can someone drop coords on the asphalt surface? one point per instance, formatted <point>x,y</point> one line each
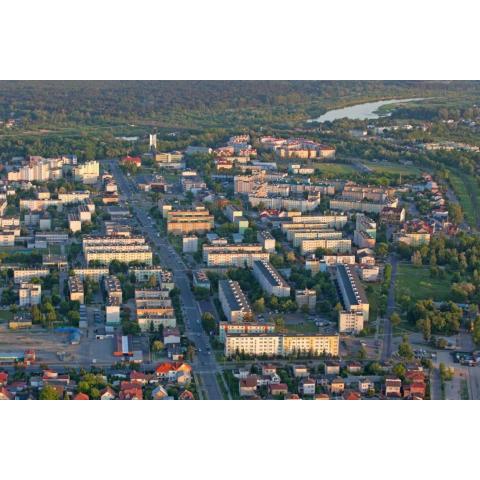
<point>387,325</point>
<point>205,365</point>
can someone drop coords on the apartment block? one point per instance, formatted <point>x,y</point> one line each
<point>29,294</point>
<point>270,280</point>
<point>26,274</point>
<point>351,290</point>
<point>266,240</point>
<point>226,328</point>
<point>297,236</point>
<point>365,233</point>
<point>95,273</point>
<point>347,205</point>
<point>87,172</point>
<point>234,303</point>
<point>113,287</point>
<point>350,322</point>
<point>124,249</point>
<point>306,298</point>
<point>272,344</point>
<point>154,308</point>
<point>336,245</point>
<point>189,244</point>
<point>234,258</point>
<point>181,222</point>
<point>75,287</point>
<point>74,223</point>
<point>112,311</point>
<point>164,277</point>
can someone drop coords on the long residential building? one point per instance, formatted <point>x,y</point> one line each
<point>270,280</point>
<point>154,308</point>
<point>163,277</point>
<point>351,290</point>
<point>181,222</point>
<point>26,274</point>
<point>333,221</point>
<point>39,169</point>
<point>124,249</point>
<point>234,302</point>
<point>326,234</point>
<point>226,328</point>
<point>87,172</point>
<point>94,273</point>
<point>346,205</point>
<point>296,202</point>
<point>341,245</point>
<point>274,344</point>
<point>236,258</point>
<point>244,247</point>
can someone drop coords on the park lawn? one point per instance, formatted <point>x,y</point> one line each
<point>467,191</point>
<point>392,168</point>
<point>334,168</point>
<point>417,283</point>
<point>305,327</point>
<point>373,292</point>
<point>5,315</point>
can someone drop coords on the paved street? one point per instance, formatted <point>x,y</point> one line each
<point>387,326</point>
<point>205,365</point>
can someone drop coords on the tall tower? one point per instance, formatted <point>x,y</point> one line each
<point>153,141</point>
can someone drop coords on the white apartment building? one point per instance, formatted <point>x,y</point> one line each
<point>350,322</point>
<point>271,344</point>
<point>87,172</point>
<point>337,245</point>
<point>270,280</point>
<point>29,294</point>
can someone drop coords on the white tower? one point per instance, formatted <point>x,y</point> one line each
<point>153,141</point>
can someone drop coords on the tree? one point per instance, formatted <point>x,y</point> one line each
<point>405,349</point>
<point>382,249</point>
<point>152,281</point>
<point>259,305</point>
<point>157,345</point>
<point>395,319</point>
<point>455,213</point>
<point>399,370</point>
<point>48,393</point>
<point>208,322</point>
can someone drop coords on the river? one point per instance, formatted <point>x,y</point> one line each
<point>363,111</point>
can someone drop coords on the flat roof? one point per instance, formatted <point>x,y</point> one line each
<point>234,295</point>
<point>351,285</point>
<point>270,273</point>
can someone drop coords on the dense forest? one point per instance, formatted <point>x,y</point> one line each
<point>201,103</point>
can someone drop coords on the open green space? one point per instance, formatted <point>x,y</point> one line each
<point>334,168</point>
<point>467,191</point>
<point>417,283</point>
<point>305,327</point>
<point>5,315</point>
<point>392,168</point>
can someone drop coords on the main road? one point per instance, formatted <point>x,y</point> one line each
<point>205,365</point>
<point>387,324</point>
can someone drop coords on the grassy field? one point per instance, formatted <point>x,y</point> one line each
<point>306,327</point>
<point>392,168</point>
<point>467,191</point>
<point>5,315</point>
<point>417,283</point>
<point>334,168</point>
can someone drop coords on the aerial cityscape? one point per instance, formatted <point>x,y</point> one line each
<point>235,240</point>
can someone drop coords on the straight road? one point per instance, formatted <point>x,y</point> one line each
<point>205,366</point>
<point>387,325</point>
